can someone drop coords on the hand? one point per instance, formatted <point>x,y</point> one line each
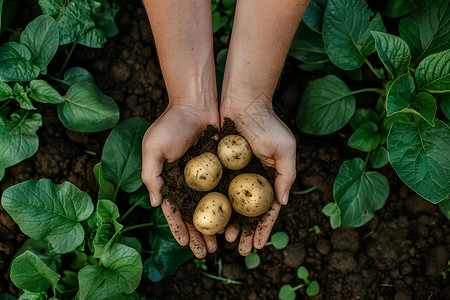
<point>167,140</point>
<point>274,144</point>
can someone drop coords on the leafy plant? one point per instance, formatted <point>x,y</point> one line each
<point>219,277</point>
<point>401,127</point>
<point>287,291</point>
<point>316,229</point>
<point>80,251</point>
<point>278,240</point>
<point>24,76</point>
<point>223,17</point>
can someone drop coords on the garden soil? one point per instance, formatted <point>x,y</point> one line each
<point>399,254</point>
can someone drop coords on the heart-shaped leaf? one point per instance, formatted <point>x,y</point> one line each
<point>433,73</point>
<point>286,292</point>
<point>107,210</point>
<point>43,92</point>
<point>365,138</point>
<point>15,63</point>
<point>379,157</point>
<point>5,92</point>
<point>105,236</point>
<point>77,74</point>
<point>313,16</point>
<point>307,46</point>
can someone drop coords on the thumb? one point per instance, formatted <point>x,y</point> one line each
<point>286,170</point>
<point>152,167</point>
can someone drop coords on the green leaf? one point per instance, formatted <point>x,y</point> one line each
<point>279,240</point>
<point>167,254</point>
<point>365,138</point>
<point>426,29</point>
<point>77,74</point>
<point>106,17</point>
<point>312,289</point>
<point>379,157</point>
<point>347,44</point>
<point>122,154</point>
<point>218,21</point>
<point>70,278</point>
<point>332,210</point>
<point>27,295</point>
<point>43,92</point>
<point>142,197</point>
<point>130,242</point>
<point>50,7</point>
<point>252,260</point>
<point>18,138</point>
<point>41,36</point>
<point>445,207</point>
<point>5,92</point>
<point>445,105</point>
<point>398,8</point>
<point>361,115</point>
<point>106,189</point>
<point>393,52</point>
<point>5,296</point>
<point>106,234</point>
<point>21,96</point>
<point>107,210</point>
<point>401,98</point>
<point>433,73</point>
<point>286,292</point>
<point>42,250</point>
<point>307,46</point>
<point>358,193</point>
<point>303,273</point>
<point>87,109</point>
<point>28,272</point>
<point>327,105</point>
<point>2,174</point>
<point>48,211</point>
<point>120,274</point>
<point>15,63</point>
<point>94,38</point>
<point>313,16</point>
<point>387,122</point>
<point>420,156</point>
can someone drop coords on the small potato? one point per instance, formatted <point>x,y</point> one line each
<point>234,152</point>
<point>203,173</point>
<point>212,214</point>
<point>250,194</point>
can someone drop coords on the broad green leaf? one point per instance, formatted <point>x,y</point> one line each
<point>286,292</point>
<point>120,273</point>
<point>346,32</point>
<point>252,260</point>
<point>21,96</point>
<point>393,52</point>
<point>401,98</point>
<point>303,273</point>
<point>15,63</point>
<point>77,74</point>
<point>398,8</point>
<point>48,211</point>
<point>365,138</point>
<point>130,242</point>
<point>361,115</point>
<point>106,234</point>
<point>43,92</point>
<point>41,36</point>
<point>106,189</point>
<point>5,296</point>
<point>433,73</point>
<point>327,105</point>
<point>122,154</point>
<point>27,295</point>
<point>70,278</point>
<point>5,92</point>
<point>279,240</point>
<point>444,206</point>
<point>421,157</point>
<point>167,254</point>
<point>94,38</point>
<point>140,197</point>
<point>106,17</point>
<point>107,210</point>
<point>379,157</point>
<point>307,46</point>
<point>18,138</point>
<point>445,105</point>
<point>312,289</point>
<point>87,109</point>
<point>218,21</point>
<point>359,193</point>
<point>426,29</point>
<point>313,16</point>
<point>49,7</point>
<point>28,272</point>
<point>387,122</point>
<point>43,251</point>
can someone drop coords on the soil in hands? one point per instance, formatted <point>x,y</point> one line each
<point>177,191</point>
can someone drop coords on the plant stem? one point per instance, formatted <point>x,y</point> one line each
<point>9,29</point>
<point>137,226</point>
<point>6,103</point>
<point>55,79</point>
<point>130,210</point>
<point>373,69</point>
<point>374,90</point>
<point>67,59</point>
<point>366,160</point>
<point>298,287</point>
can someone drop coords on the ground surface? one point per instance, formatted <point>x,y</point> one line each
<point>397,255</point>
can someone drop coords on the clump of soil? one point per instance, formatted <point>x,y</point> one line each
<point>177,191</point>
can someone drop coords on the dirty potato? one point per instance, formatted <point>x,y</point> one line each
<point>212,214</point>
<point>203,173</point>
<point>234,152</point>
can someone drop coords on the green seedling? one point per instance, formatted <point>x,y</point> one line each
<point>200,264</point>
<point>307,191</point>
<point>219,277</point>
<point>287,292</point>
<point>316,229</point>
<point>446,270</point>
<point>278,240</point>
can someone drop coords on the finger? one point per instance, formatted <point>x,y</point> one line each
<point>211,242</point>
<point>222,231</point>
<point>196,243</point>
<point>175,221</point>
<point>265,226</point>
<point>246,243</point>
<point>152,167</point>
<point>285,166</point>
<point>231,233</point>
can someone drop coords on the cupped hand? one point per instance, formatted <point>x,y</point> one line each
<point>167,140</point>
<point>275,145</point>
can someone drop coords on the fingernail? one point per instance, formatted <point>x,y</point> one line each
<point>152,199</point>
<point>285,198</point>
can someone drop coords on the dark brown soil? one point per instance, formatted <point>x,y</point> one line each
<point>397,255</point>
<point>178,192</point>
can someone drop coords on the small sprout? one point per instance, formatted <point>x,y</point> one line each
<point>279,240</point>
<point>307,191</point>
<point>332,210</point>
<point>446,270</point>
<point>219,277</point>
<point>303,273</point>
<point>252,260</point>
<point>316,229</point>
<point>287,292</point>
<point>201,264</point>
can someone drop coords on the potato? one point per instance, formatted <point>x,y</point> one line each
<point>250,194</point>
<point>203,173</point>
<point>212,214</point>
<point>234,152</point>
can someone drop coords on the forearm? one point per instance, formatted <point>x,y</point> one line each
<point>183,36</point>
<point>263,31</point>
